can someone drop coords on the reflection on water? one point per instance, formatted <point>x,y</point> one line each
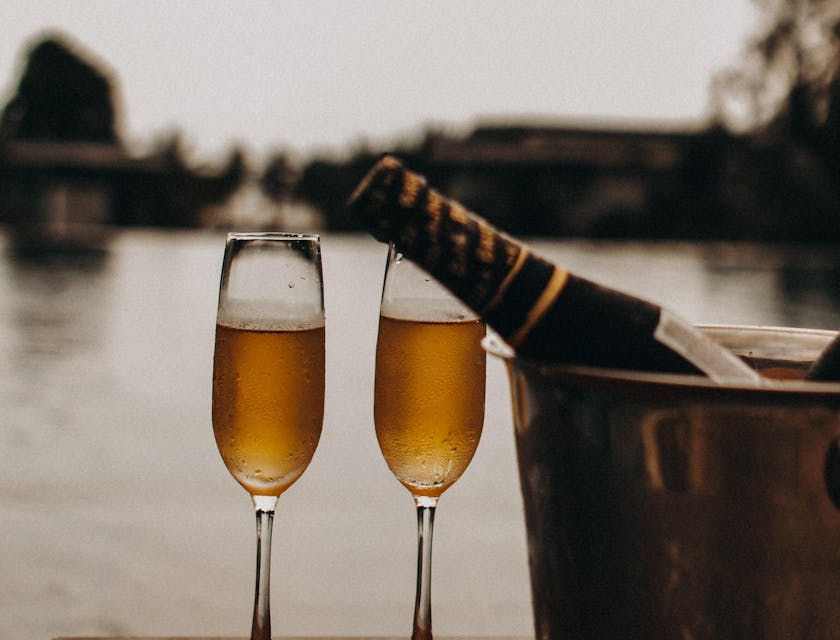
<point>796,286</point>
<point>810,297</point>
<point>48,302</point>
<point>50,340</point>
<point>118,516</point>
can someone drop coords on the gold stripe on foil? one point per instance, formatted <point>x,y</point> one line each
<point>434,209</point>
<point>486,244</point>
<point>500,292</point>
<point>458,214</point>
<point>389,162</point>
<point>412,186</point>
<point>547,297</point>
<point>458,263</point>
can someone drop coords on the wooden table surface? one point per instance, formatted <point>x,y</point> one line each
<point>285,638</point>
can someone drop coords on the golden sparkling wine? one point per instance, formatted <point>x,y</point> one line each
<point>429,399</point>
<point>268,404</point>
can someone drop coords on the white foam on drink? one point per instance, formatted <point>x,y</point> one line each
<point>271,315</point>
<point>427,310</point>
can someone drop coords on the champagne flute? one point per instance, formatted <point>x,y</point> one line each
<point>268,376</point>
<point>428,398</point>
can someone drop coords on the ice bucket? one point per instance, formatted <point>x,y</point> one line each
<point>665,506</point>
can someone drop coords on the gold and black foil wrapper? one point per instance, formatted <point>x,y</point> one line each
<point>541,310</point>
<point>456,246</point>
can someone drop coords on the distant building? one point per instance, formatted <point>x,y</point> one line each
<point>65,177</point>
<point>74,192</point>
<point>621,182</point>
<point>550,180</point>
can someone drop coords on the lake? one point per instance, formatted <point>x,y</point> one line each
<point>117,515</point>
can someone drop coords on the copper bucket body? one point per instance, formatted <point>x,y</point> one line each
<point>664,506</point>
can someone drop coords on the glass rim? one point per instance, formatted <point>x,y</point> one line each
<point>272,235</point>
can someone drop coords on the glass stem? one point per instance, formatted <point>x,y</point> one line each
<point>261,623</point>
<point>423,602</point>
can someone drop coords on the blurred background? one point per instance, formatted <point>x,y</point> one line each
<point>684,151</point>
<point>597,120</point>
<point>578,120</point>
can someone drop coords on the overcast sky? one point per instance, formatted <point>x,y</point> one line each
<point>315,74</point>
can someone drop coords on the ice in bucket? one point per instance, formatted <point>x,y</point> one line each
<point>666,506</point>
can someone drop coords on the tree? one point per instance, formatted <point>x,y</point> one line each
<point>787,83</point>
<point>60,97</point>
<point>783,102</point>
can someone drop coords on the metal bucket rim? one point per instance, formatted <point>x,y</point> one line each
<point>495,346</point>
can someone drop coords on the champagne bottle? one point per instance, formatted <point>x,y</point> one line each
<point>541,310</point>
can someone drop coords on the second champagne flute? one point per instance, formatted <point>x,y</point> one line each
<point>428,398</point>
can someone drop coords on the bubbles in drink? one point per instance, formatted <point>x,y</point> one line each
<point>267,416</point>
<point>429,399</point>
